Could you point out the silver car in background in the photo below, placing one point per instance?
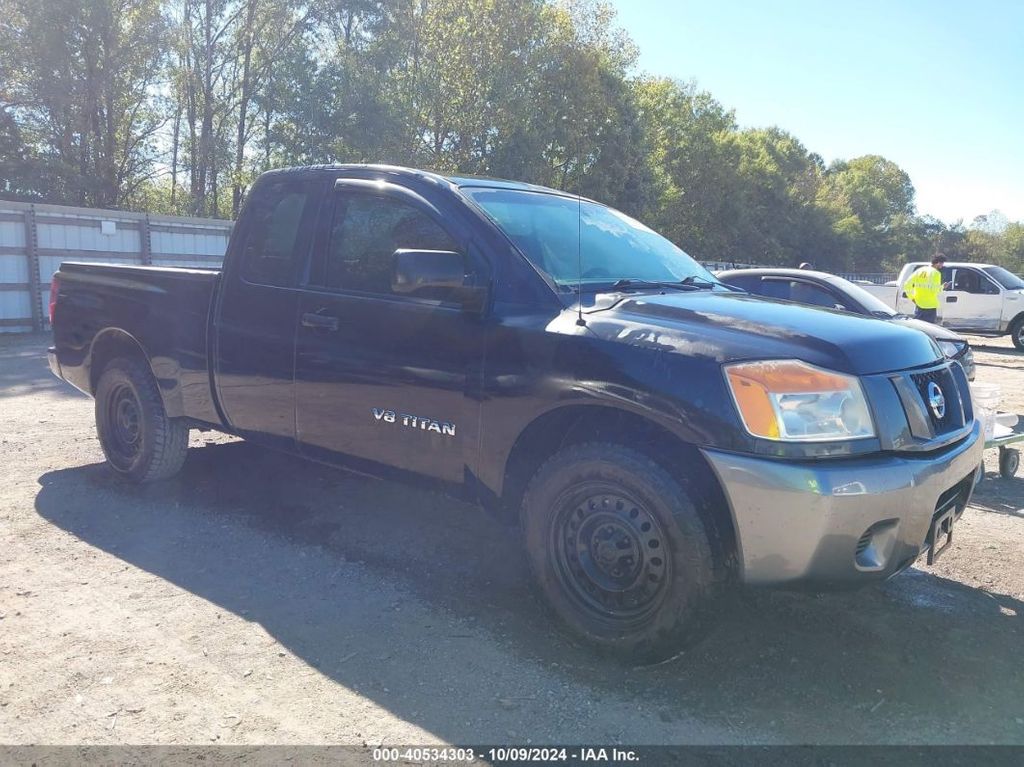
(804, 286)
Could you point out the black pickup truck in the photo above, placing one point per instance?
(656, 434)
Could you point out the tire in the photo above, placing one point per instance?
(139, 441)
(619, 551)
(1017, 332)
(1009, 462)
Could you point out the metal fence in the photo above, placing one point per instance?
(35, 239)
(721, 266)
(875, 278)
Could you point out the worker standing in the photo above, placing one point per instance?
(923, 289)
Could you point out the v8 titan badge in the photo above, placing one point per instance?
(446, 428)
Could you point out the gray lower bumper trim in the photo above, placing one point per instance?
(802, 521)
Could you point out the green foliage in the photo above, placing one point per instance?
(80, 85)
(177, 105)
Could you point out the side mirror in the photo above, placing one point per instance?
(434, 274)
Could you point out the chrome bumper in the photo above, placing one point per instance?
(844, 521)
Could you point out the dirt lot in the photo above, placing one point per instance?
(259, 599)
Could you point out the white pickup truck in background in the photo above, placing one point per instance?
(980, 299)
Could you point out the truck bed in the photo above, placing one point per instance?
(165, 310)
(887, 293)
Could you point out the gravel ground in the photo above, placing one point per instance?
(260, 599)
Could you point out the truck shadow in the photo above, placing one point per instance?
(1000, 495)
(24, 370)
(283, 543)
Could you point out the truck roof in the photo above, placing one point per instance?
(951, 263)
(402, 172)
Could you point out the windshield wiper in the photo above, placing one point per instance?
(699, 282)
(631, 282)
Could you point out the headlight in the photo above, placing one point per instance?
(951, 348)
(789, 400)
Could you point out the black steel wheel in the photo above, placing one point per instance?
(619, 550)
(610, 552)
(124, 418)
(139, 440)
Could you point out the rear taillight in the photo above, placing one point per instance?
(54, 288)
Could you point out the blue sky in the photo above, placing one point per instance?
(934, 85)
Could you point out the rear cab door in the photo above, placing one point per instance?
(255, 316)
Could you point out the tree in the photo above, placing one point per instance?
(777, 220)
(871, 200)
(583, 130)
(18, 166)
(692, 164)
(81, 81)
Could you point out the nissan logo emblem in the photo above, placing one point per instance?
(936, 400)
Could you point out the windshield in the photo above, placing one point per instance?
(548, 229)
(1007, 279)
(871, 303)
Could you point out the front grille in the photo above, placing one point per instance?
(953, 417)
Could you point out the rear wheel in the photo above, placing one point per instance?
(619, 550)
(138, 439)
(1017, 332)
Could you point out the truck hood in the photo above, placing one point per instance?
(729, 327)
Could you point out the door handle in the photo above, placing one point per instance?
(950, 299)
(319, 321)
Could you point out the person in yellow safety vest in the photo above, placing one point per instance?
(923, 289)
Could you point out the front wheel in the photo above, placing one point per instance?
(619, 550)
(1017, 333)
(138, 439)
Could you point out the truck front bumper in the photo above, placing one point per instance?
(841, 522)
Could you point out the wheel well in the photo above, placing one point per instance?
(108, 347)
(590, 423)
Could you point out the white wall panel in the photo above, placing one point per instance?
(12, 234)
(173, 242)
(80, 236)
(15, 303)
(13, 267)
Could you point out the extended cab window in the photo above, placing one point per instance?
(365, 234)
(272, 243)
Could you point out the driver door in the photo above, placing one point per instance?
(378, 375)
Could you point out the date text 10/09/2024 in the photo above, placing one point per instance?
(507, 754)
